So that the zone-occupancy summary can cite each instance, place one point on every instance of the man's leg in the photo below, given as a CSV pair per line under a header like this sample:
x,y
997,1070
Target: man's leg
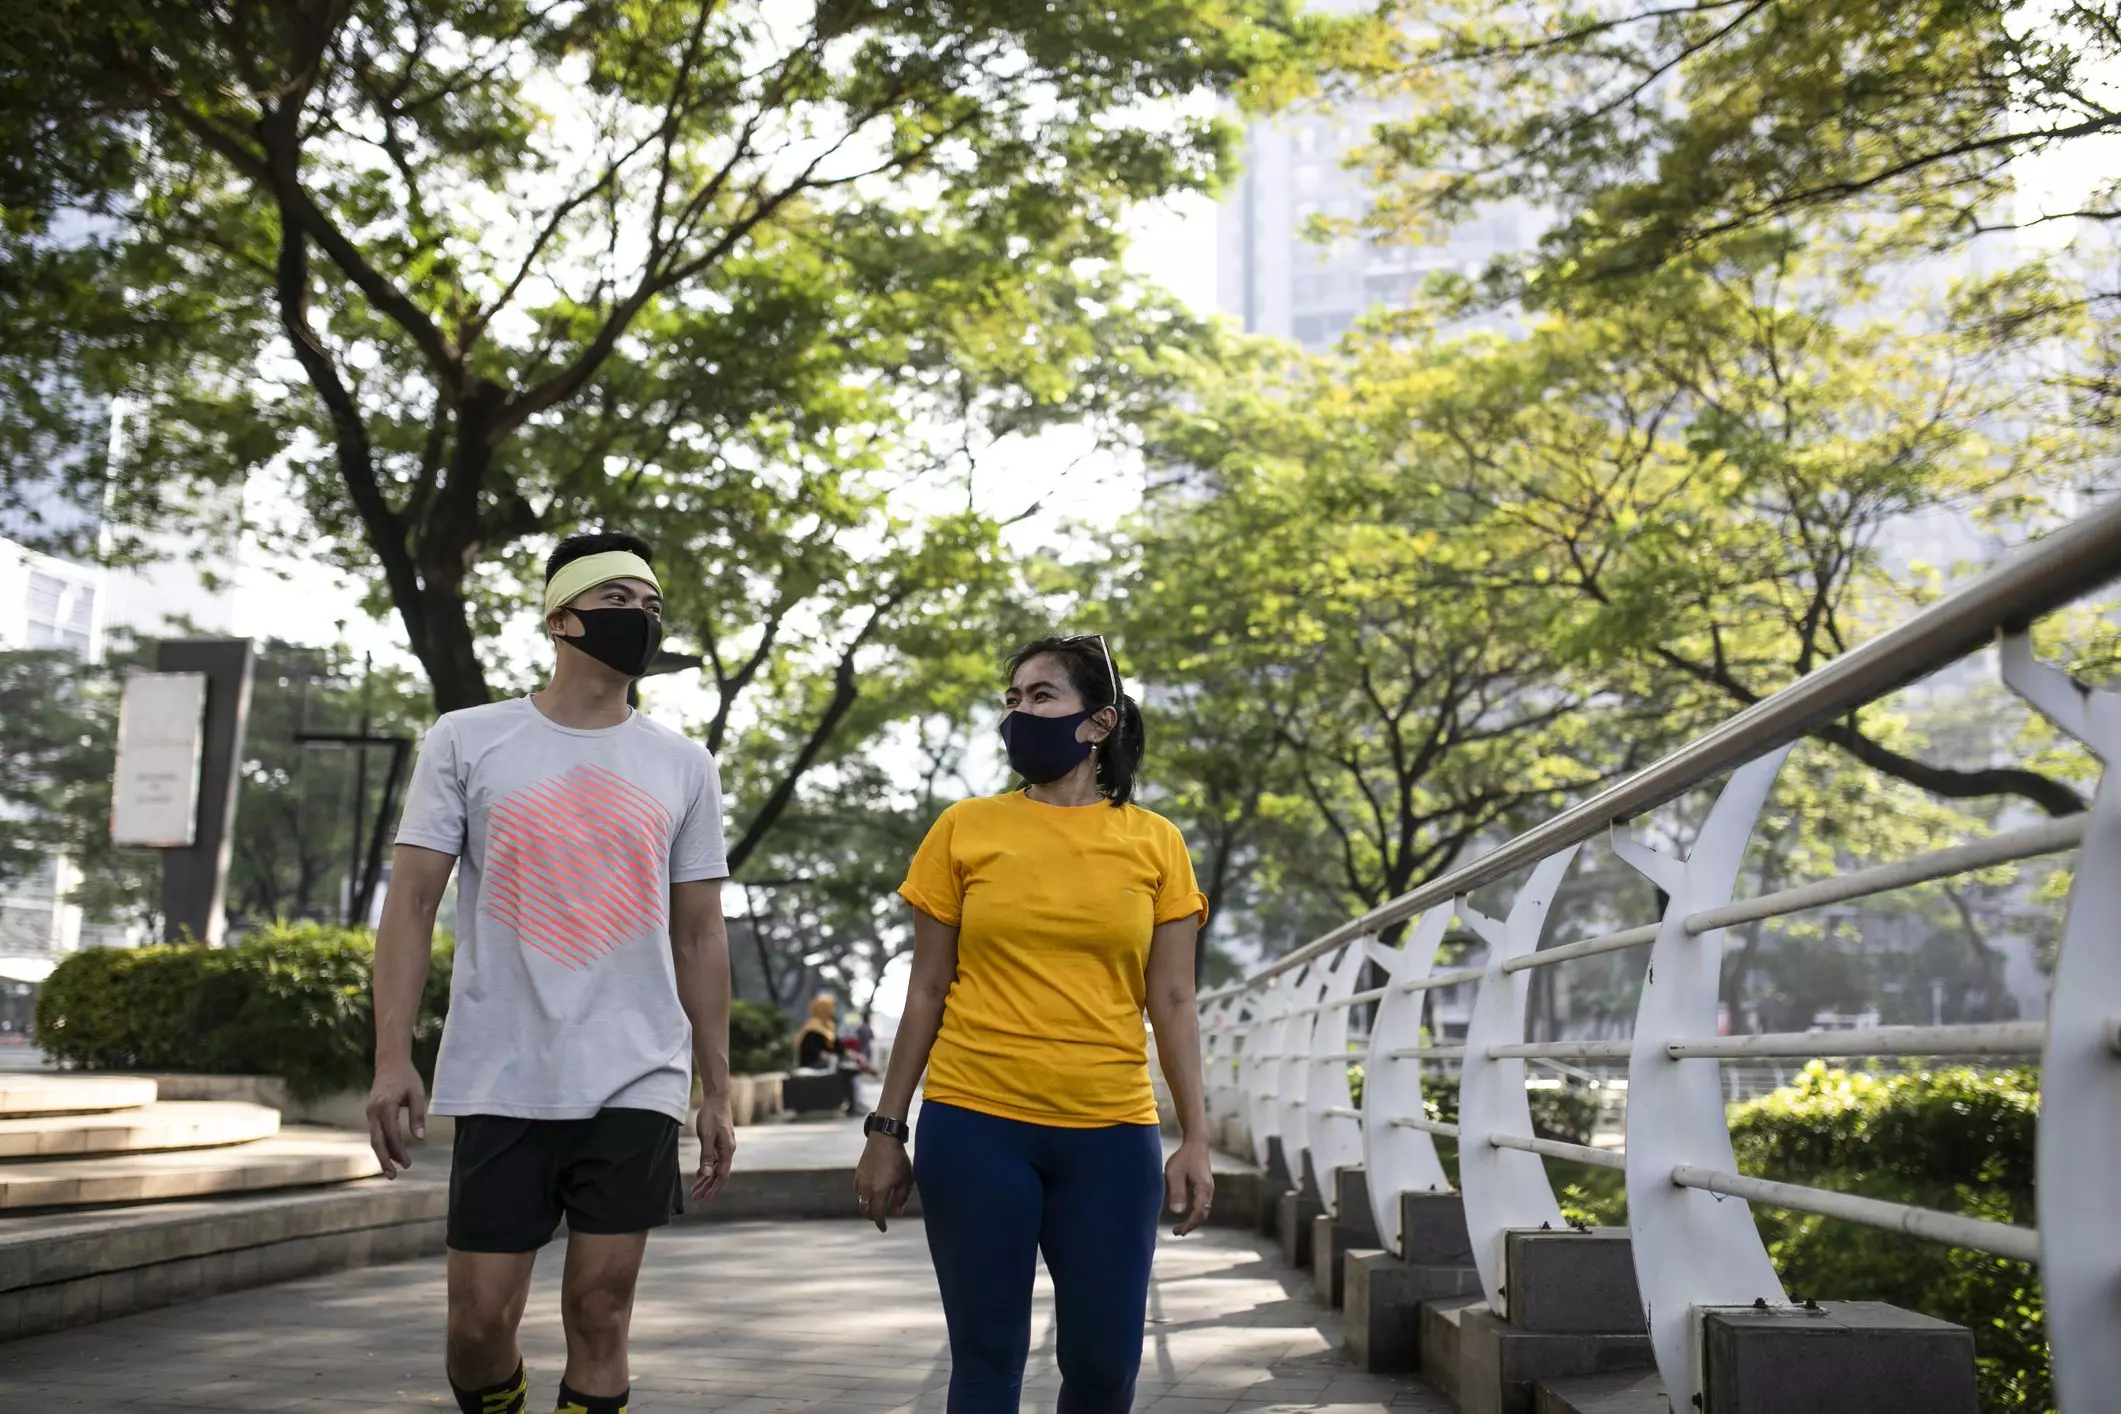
x,y
596,1306
486,1295
502,1208
619,1180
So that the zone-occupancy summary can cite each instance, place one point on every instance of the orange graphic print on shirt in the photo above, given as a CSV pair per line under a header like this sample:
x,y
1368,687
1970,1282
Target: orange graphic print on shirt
x,y
574,865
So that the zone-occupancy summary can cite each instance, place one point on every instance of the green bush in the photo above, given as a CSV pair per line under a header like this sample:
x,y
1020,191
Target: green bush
x,y
761,1042
291,1000
1959,1140
1562,1112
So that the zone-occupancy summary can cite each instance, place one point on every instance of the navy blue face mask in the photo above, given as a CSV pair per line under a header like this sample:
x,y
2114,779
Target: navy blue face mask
x,y
1043,749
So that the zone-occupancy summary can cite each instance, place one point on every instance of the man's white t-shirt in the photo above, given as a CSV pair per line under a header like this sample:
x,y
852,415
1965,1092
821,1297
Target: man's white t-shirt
x,y
564,1000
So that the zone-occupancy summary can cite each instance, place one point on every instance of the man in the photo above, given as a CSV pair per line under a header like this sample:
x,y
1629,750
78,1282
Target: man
x,y
592,974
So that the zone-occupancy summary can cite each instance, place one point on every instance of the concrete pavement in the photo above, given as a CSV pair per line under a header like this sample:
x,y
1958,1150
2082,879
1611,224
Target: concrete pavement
x,y
747,1318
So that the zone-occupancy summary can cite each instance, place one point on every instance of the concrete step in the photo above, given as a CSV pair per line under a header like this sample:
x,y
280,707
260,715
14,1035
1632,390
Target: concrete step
x,y
166,1124
295,1158
68,1269
24,1094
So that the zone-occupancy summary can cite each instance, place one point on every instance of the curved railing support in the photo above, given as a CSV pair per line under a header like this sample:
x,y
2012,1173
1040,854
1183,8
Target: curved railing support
x,y
1503,1188
1691,1248
2078,1152
1335,1133
1400,1159
1292,1075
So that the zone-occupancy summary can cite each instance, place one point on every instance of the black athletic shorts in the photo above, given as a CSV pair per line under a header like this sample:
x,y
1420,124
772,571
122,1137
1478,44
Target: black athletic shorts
x,y
512,1180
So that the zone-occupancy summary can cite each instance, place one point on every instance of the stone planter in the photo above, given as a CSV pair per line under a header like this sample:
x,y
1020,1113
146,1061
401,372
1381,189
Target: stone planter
x,y
743,1099
769,1096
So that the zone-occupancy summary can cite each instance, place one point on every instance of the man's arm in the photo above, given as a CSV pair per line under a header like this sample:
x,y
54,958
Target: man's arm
x,y
404,948
699,943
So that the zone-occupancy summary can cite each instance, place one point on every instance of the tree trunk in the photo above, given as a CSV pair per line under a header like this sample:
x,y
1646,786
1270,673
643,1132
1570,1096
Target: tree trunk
x,y
445,547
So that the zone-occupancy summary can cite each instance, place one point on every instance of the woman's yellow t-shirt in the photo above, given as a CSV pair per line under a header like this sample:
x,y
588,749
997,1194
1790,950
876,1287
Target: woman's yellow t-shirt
x,y
1054,907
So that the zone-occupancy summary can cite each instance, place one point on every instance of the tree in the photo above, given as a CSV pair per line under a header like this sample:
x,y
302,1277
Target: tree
x,y
474,271
823,904
1655,129
1710,467
1455,578
295,845
1301,605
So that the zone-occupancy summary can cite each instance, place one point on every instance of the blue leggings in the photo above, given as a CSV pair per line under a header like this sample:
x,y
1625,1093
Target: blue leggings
x,y
994,1194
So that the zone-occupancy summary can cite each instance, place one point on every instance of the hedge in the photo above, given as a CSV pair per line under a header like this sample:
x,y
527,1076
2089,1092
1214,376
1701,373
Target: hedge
x,y
291,1000
1956,1139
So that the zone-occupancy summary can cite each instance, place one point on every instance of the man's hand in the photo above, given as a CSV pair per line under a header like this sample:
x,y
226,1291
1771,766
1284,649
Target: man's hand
x,y
717,1128
1189,1186
883,1180
397,1104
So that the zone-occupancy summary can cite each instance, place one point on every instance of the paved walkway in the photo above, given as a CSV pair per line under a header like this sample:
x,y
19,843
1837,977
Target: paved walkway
x,y
744,1319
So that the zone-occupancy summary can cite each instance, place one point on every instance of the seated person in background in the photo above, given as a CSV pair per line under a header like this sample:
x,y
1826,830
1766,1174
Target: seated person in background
x,y
817,1047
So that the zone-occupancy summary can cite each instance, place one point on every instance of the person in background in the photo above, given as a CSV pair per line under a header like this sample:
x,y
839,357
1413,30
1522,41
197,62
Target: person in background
x,y
1046,921
817,1047
865,1037
592,975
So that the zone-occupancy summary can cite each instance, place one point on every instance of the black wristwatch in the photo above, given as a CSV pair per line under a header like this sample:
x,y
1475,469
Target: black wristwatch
x,y
887,1126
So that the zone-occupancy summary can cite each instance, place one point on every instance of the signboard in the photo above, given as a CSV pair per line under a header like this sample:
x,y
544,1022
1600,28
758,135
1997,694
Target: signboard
x,y
161,734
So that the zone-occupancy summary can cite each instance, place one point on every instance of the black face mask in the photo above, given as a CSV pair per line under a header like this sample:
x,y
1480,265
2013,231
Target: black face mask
x,y
624,640
1043,749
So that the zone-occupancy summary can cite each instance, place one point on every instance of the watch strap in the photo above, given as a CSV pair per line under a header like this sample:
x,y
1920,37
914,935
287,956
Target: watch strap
x,y
885,1125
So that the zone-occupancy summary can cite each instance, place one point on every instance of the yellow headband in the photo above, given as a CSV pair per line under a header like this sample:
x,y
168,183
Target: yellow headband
x,y
580,576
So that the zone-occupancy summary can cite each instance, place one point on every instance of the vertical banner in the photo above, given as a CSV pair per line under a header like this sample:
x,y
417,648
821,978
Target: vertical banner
x,y
154,802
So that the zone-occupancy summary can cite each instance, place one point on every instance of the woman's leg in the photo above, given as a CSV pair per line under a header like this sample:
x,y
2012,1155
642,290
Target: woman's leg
x,y
981,1202
1104,1189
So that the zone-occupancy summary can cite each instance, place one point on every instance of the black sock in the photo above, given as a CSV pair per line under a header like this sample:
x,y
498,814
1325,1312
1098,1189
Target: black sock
x,y
507,1397
572,1403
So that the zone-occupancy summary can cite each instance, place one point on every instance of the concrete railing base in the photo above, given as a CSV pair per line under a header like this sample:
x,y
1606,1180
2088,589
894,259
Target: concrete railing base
x,y
1335,1236
1835,1357
1384,1301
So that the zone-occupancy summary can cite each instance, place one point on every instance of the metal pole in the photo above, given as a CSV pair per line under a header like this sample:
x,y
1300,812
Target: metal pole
x,y
360,805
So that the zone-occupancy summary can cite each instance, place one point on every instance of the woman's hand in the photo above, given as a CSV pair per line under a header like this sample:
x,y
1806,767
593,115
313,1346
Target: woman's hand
x,y
1189,1186
883,1181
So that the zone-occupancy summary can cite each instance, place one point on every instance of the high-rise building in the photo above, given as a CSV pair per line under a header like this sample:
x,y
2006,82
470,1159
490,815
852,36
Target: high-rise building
x,y
1276,276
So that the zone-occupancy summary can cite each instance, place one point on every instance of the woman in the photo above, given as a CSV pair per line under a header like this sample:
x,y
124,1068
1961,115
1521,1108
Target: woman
x,y
817,1047
1045,922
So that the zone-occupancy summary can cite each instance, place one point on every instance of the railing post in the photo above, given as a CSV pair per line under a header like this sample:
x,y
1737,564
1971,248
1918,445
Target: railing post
x,y
1691,1249
2078,1150
1335,1138
1504,1188
1399,1159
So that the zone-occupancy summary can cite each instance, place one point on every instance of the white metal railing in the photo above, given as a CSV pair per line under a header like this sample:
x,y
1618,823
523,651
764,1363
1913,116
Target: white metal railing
x,y
1281,1045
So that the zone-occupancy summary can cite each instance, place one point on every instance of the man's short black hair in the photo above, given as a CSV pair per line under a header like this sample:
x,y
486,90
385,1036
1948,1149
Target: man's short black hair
x,y
581,547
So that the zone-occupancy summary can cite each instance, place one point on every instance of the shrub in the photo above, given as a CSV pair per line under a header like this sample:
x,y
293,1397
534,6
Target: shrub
x,y
291,1000
1561,1112
760,1040
1957,1139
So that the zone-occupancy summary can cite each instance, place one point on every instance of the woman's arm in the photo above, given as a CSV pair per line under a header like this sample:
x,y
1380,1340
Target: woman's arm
x,y
1189,1182
884,1179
